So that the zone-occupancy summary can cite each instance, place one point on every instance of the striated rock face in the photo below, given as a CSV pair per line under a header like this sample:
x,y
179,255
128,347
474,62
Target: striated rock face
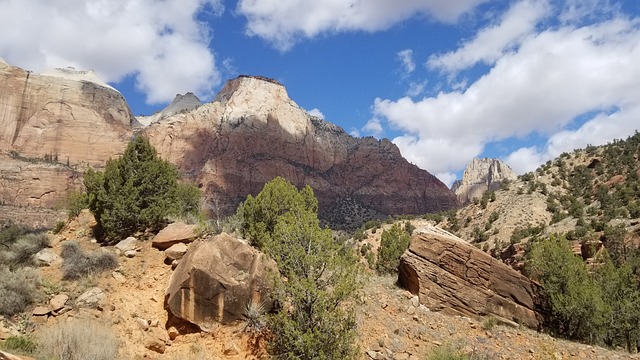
x,y
449,274
481,175
253,132
35,184
63,112
215,281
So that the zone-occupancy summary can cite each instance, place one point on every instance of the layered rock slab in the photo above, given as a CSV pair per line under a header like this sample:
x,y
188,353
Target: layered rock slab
x,y
449,274
216,279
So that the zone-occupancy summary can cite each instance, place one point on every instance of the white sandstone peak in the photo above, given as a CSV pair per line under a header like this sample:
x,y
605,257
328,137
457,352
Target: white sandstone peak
x,y
71,73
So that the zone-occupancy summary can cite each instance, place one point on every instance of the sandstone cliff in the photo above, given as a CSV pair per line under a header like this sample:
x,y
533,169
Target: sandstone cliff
x,y
481,175
253,132
63,112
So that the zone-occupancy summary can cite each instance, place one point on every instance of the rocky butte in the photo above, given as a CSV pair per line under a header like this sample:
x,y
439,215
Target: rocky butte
x,y
481,175
253,132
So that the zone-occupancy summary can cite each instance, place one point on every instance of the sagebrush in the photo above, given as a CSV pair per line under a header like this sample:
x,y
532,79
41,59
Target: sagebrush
x,y
77,263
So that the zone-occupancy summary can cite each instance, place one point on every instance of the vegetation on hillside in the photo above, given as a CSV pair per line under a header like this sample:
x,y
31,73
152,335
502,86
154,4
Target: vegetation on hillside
x,y
318,277
137,192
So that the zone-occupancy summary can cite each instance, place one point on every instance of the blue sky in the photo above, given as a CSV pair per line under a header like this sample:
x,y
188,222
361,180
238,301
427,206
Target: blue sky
x,y
447,81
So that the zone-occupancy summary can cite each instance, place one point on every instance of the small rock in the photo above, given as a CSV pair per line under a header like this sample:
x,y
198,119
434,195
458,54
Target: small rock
x,y
91,298
127,244
415,301
41,311
173,333
47,257
411,310
436,343
130,253
372,354
155,345
176,251
531,351
58,302
144,324
401,356
118,277
230,348
174,264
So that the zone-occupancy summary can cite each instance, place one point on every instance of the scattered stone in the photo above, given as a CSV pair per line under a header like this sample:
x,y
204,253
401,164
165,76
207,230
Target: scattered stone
x,y
372,354
144,324
41,311
230,349
174,264
173,333
176,251
154,323
58,302
411,310
415,301
127,244
173,234
130,253
156,345
91,298
118,277
47,257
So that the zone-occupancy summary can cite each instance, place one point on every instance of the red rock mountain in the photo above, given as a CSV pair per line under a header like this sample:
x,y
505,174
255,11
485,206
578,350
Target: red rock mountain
x,y
250,133
253,132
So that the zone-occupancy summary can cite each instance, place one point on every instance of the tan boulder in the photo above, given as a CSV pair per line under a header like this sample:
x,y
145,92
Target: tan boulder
x,y
173,234
176,251
449,274
216,279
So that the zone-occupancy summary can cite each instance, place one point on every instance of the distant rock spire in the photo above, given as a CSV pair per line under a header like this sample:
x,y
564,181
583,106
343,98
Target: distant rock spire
x,y
481,175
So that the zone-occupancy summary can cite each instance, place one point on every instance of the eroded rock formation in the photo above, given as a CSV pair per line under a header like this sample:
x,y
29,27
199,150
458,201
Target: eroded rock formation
x,y
253,132
64,113
481,175
449,274
215,281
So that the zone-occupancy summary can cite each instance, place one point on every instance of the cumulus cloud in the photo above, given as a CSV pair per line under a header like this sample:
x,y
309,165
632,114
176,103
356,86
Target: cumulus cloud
x,y
492,42
373,127
554,80
160,43
283,23
317,113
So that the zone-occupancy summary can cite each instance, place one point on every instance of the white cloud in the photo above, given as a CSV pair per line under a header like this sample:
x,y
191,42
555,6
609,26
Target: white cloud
x,y
492,42
416,88
373,127
406,59
317,113
554,77
160,43
283,23
446,178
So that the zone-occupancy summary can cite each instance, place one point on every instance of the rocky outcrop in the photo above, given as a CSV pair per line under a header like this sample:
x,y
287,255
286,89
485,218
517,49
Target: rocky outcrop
x,y
64,113
253,132
174,233
216,279
481,175
35,183
180,104
449,274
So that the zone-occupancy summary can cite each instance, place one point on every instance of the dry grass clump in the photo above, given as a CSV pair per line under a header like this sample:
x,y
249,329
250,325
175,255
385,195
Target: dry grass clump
x,y
78,264
77,339
18,244
18,289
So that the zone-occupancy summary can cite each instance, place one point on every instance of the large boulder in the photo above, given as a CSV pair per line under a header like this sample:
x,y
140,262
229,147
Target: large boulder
x,y
449,274
215,281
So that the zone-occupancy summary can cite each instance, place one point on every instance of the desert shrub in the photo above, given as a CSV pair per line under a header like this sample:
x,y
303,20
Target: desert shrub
x,y
393,243
77,264
137,192
58,227
19,345
254,314
18,289
409,228
489,323
77,339
446,353
575,301
322,275
75,202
